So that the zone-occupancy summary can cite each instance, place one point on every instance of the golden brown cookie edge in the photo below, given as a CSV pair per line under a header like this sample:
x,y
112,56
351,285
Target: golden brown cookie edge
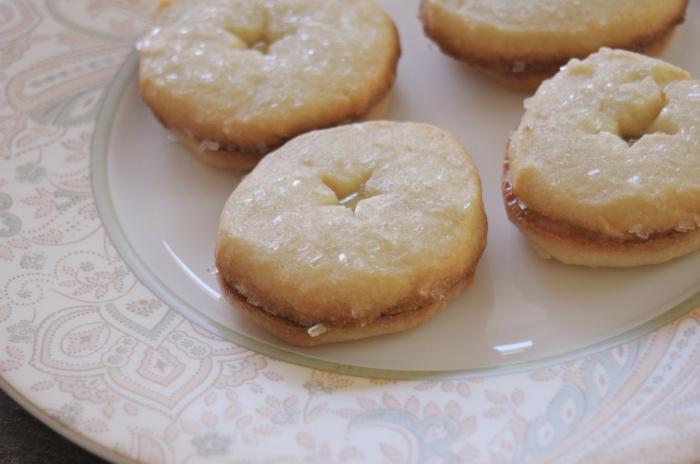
x,y
533,70
241,160
297,335
570,244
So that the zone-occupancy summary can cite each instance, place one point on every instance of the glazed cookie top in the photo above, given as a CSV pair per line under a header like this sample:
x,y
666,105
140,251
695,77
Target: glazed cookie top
x,y
542,28
611,144
348,223
260,71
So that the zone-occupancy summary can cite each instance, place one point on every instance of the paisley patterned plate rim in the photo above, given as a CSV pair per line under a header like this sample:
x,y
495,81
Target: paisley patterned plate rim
x,y
626,403
54,424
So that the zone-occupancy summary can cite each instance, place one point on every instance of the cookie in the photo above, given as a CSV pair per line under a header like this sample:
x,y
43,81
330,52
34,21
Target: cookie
x,y
352,232
604,169
235,79
522,42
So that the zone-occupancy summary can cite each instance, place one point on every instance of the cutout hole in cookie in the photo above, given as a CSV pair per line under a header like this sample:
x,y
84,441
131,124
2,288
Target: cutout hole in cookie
x,y
351,201
646,120
349,192
262,46
256,40
668,129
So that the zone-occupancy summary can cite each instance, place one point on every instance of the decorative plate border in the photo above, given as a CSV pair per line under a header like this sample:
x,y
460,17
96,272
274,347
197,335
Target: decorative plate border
x,y
93,353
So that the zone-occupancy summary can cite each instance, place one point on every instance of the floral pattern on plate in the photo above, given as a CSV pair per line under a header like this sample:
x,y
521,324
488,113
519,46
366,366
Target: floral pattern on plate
x,y
99,357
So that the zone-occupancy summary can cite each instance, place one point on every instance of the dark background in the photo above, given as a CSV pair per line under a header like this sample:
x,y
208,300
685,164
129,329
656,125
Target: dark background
x,y
25,440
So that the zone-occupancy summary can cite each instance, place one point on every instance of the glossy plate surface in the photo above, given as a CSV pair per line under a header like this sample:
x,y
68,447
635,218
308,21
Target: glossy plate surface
x,y
520,308
97,346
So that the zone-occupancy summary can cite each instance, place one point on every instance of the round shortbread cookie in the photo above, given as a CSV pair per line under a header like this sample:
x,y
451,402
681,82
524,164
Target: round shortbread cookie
x,y
352,232
523,42
235,79
604,169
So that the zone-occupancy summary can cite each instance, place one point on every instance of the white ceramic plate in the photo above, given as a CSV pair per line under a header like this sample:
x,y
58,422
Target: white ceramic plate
x,y
520,308
114,353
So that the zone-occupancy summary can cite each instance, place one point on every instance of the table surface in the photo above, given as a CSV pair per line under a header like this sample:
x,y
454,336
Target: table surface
x,y
25,440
